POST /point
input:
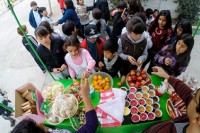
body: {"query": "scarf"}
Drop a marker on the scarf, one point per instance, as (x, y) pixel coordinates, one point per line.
(108, 63)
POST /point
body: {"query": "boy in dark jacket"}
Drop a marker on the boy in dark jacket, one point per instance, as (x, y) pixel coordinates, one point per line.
(51, 52)
(119, 20)
(34, 17)
(28, 47)
(103, 6)
(189, 123)
(112, 63)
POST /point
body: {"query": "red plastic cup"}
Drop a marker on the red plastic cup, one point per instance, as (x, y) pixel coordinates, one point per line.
(131, 96)
(151, 116)
(134, 102)
(143, 116)
(133, 89)
(134, 110)
(135, 118)
(142, 101)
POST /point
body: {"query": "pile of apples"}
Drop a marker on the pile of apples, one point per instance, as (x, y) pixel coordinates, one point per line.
(137, 78)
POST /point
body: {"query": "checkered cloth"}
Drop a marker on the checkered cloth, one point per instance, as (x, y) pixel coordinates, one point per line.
(111, 108)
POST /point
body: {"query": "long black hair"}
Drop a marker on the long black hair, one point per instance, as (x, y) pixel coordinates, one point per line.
(186, 25)
(184, 58)
(96, 14)
(69, 4)
(168, 25)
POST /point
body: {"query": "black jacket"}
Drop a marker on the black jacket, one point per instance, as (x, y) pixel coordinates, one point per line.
(103, 6)
(54, 57)
(118, 25)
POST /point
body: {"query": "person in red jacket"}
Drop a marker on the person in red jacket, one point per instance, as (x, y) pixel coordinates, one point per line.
(93, 43)
(189, 123)
(62, 7)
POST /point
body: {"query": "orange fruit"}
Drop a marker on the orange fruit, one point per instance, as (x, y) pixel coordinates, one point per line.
(100, 81)
(95, 77)
(107, 79)
(95, 83)
(96, 87)
(100, 77)
(106, 87)
(108, 84)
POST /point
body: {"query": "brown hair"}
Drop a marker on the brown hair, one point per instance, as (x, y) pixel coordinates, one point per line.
(19, 30)
(71, 41)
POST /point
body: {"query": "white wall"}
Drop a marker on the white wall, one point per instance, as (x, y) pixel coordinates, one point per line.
(161, 5)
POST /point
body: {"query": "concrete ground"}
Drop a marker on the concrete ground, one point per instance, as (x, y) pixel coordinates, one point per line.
(17, 67)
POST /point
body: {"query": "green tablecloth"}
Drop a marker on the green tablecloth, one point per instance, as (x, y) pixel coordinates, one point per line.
(131, 128)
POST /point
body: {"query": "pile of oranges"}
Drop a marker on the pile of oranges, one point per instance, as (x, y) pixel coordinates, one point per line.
(100, 84)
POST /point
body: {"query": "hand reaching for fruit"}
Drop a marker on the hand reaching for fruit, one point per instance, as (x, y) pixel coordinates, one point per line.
(131, 60)
(101, 64)
(85, 74)
(159, 71)
(139, 63)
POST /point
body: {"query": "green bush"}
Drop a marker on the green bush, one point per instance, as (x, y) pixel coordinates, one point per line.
(189, 9)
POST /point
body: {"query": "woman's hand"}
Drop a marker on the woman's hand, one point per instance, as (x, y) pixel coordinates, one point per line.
(160, 72)
(168, 61)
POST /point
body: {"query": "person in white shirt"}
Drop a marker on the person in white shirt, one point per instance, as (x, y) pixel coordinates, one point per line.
(43, 11)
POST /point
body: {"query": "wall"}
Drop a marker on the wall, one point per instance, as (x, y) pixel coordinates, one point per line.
(161, 5)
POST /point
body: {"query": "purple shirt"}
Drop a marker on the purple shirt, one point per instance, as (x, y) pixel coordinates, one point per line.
(172, 69)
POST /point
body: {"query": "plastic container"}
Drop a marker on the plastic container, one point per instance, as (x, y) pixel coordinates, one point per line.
(104, 75)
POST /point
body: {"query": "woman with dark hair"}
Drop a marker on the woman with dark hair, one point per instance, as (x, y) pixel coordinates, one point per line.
(70, 14)
(189, 123)
(161, 32)
(182, 27)
(174, 59)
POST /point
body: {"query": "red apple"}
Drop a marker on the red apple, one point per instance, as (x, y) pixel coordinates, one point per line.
(143, 71)
(138, 83)
(132, 85)
(132, 72)
(138, 73)
(136, 86)
(134, 78)
(144, 76)
(139, 78)
(129, 78)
